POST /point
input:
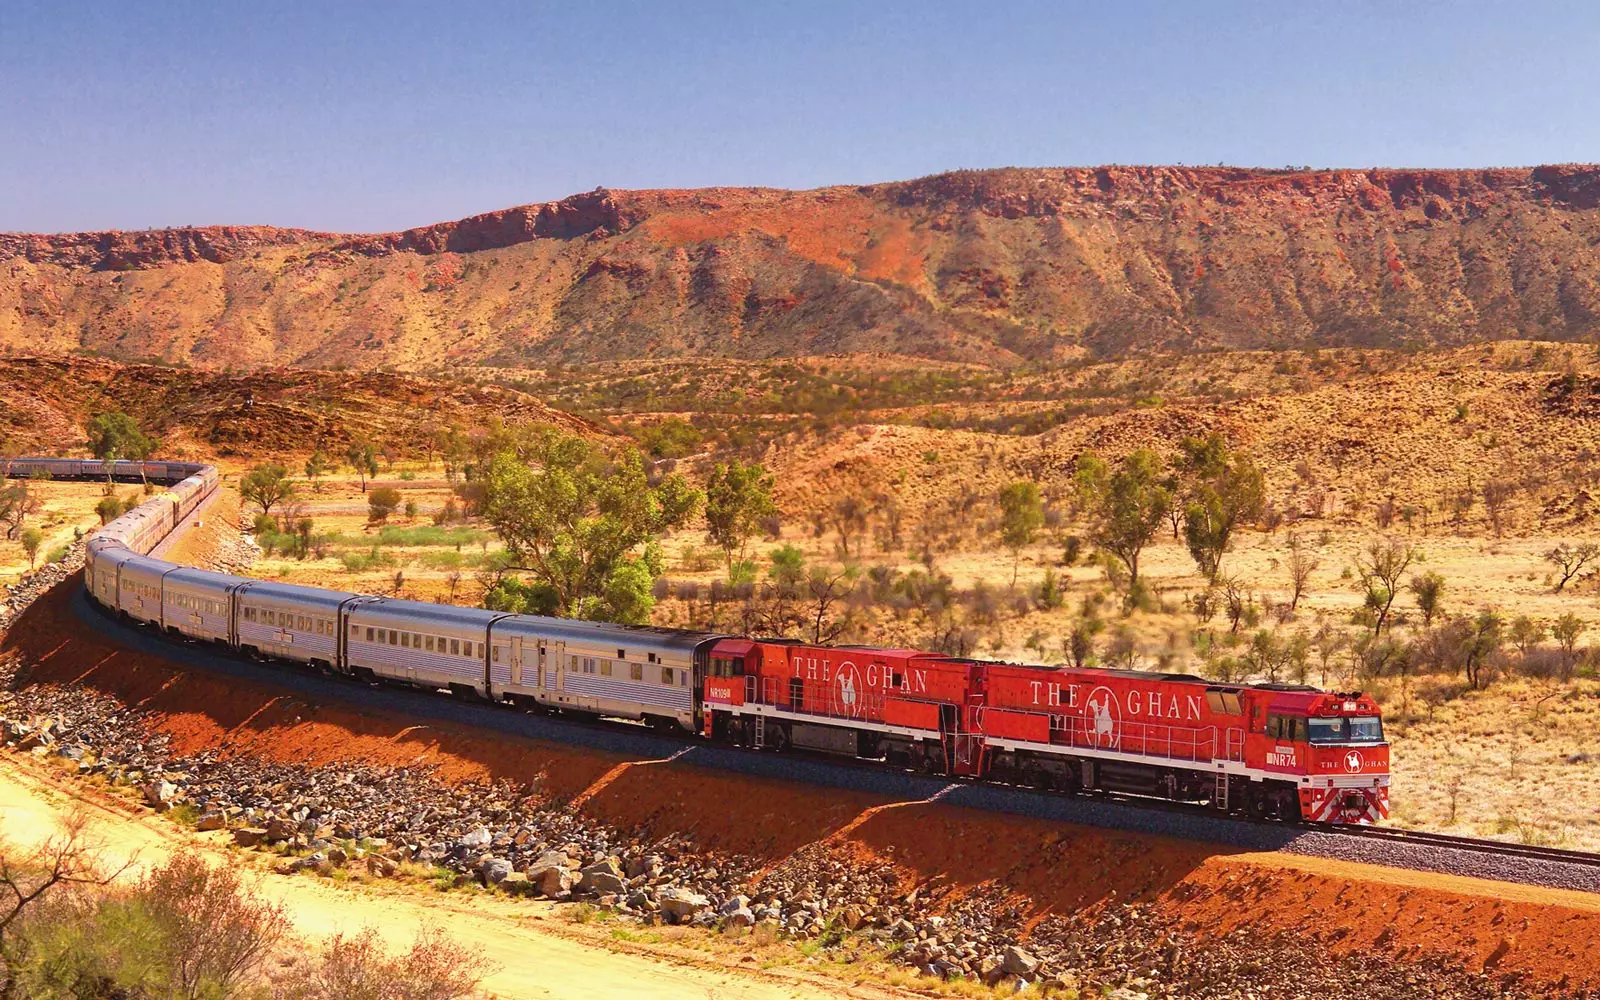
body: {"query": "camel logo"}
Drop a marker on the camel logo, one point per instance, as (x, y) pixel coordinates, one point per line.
(1353, 762)
(846, 688)
(1103, 718)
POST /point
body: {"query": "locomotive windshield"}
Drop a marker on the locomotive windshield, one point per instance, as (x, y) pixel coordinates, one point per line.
(1340, 729)
(725, 666)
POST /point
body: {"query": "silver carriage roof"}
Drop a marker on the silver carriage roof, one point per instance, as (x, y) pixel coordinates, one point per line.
(571, 629)
(204, 578)
(397, 609)
(262, 591)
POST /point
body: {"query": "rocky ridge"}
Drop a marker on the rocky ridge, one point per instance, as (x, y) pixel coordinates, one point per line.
(994, 266)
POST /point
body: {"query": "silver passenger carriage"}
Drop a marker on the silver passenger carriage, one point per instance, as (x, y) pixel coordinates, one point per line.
(199, 604)
(139, 588)
(289, 621)
(631, 672)
(430, 645)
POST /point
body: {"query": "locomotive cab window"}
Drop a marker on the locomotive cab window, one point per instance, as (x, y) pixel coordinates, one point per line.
(1337, 729)
(722, 666)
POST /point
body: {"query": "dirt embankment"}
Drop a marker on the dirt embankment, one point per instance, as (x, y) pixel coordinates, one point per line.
(1050, 870)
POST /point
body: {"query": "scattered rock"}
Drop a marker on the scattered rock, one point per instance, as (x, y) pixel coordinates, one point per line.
(212, 821)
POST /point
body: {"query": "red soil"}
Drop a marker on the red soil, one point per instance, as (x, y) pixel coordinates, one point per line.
(1061, 869)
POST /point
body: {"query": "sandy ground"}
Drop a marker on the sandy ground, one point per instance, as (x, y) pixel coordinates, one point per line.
(538, 954)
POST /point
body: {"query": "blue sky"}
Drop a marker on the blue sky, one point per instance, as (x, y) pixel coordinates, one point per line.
(354, 116)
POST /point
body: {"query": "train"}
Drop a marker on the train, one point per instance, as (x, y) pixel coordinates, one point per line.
(1284, 752)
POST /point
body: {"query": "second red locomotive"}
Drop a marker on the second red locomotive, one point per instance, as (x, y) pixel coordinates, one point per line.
(1278, 751)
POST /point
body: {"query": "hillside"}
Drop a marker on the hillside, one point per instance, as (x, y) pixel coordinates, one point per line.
(996, 267)
(46, 402)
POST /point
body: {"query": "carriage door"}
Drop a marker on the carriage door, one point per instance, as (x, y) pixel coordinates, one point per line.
(552, 668)
(516, 660)
(540, 664)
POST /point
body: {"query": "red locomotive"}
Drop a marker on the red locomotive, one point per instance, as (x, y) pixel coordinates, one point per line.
(1287, 752)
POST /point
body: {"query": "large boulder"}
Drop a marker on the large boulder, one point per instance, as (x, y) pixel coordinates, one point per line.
(741, 917)
(279, 828)
(551, 880)
(1017, 962)
(681, 905)
(211, 821)
(160, 793)
(494, 870)
(249, 836)
(476, 838)
(601, 878)
(551, 859)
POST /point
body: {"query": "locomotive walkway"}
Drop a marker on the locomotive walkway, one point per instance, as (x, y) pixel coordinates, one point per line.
(1430, 853)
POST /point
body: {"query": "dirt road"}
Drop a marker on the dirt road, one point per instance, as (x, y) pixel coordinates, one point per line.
(538, 954)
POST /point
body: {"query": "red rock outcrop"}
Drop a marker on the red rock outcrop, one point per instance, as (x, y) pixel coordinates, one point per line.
(996, 265)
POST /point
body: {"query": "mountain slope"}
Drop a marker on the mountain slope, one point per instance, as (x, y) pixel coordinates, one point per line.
(995, 266)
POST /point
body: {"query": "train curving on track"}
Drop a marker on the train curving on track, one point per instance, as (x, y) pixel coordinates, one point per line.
(316, 627)
(1265, 751)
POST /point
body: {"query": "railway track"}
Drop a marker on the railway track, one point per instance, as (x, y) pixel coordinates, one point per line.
(1479, 845)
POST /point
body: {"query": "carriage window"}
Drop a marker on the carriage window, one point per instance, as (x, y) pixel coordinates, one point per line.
(683, 678)
(369, 634)
(636, 671)
(572, 664)
(394, 638)
(405, 640)
(455, 647)
(494, 653)
(272, 617)
(666, 675)
(651, 657)
(427, 643)
(605, 668)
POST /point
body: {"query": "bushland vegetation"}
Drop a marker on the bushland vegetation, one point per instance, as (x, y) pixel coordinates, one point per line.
(71, 926)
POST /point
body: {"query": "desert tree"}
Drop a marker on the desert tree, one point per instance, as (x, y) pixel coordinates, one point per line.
(1124, 506)
(1525, 633)
(382, 503)
(266, 486)
(108, 508)
(28, 877)
(317, 466)
(1021, 517)
(1079, 646)
(738, 499)
(17, 503)
(1428, 590)
(216, 932)
(1225, 491)
(115, 435)
(1483, 638)
(363, 458)
(358, 968)
(584, 522)
(1497, 494)
(1379, 568)
(1570, 560)
(825, 587)
(850, 517)
(32, 538)
(1301, 565)
(1566, 631)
